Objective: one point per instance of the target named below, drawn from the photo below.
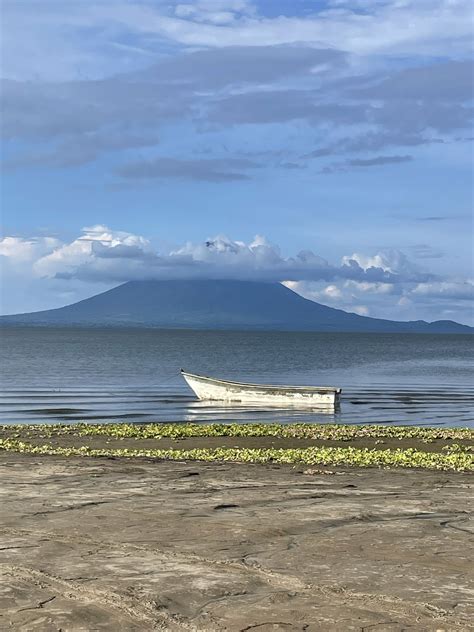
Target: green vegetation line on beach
(455, 458)
(336, 432)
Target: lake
(66, 375)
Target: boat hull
(211, 389)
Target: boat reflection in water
(212, 389)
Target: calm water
(97, 375)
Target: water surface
(99, 375)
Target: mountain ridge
(218, 304)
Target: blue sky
(137, 132)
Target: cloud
(137, 28)
(217, 12)
(378, 160)
(401, 123)
(82, 149)
(433, 218)
(438, 300)
(408, 118)
(24, 250)
(268, 70)
(22, 288)
(18, 286)
(361, 297)
(166, 90)
(210, 170)
(414, 106)
(277, 106)
(63, 124)
(40, 112)
(372, 141)
(381, 27)
(362, 310)
(445, 82)
(460, 290)
(364, 163)
(291, 165)
(391, 261)
(332, 291)
(104, 255)
(425, 251)
(241, 66)
(95, 244)
(363, 287)
(70, 123)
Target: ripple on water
(374, 406)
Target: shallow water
(97, 375)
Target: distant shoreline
(137, 327)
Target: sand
(118, 544)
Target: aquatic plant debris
(457, 459)
(337, 432)
(453, 456)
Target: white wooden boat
(209, 388)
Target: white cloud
(38, 29)
(22, 290)
(332, 291)
(216, 12)
(382, 27)
(105, 255)
(98, 244)
(364, 286)
(20, 249)
(222, 251)
(403, 300)
(362, 310)
(390, 260)
(462, 290)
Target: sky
(326, 144)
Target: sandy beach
(141, 544)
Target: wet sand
(136, 544)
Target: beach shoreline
(116, 543)
(310, 444)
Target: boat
(213, 389)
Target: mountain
(217, 305)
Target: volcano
(200, 304)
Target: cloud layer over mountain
(357, 283)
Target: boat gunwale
(273, 387)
